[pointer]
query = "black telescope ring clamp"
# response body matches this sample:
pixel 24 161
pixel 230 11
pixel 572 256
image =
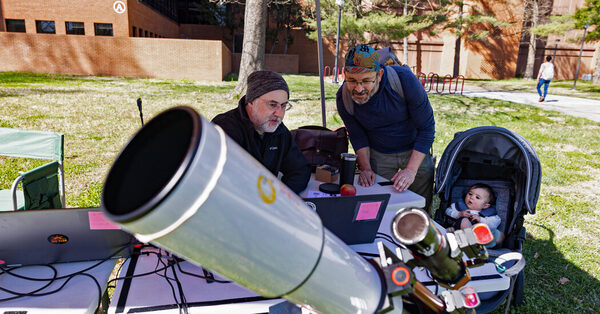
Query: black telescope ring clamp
pixel 413 228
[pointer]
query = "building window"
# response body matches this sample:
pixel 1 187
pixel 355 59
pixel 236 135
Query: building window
pixel 17 26
pixel 134 31
pixel 74 28
pixel 151 34
pixel 45 27
pixel 141 33
pixel 238 40
pixel 103 29
pixel 145 33
pixel 166 7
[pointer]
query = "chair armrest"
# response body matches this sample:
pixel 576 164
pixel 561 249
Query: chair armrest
pixel 13 190
pixel 32 175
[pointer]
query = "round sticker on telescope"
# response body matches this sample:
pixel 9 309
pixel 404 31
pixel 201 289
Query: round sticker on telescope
pixel 266 190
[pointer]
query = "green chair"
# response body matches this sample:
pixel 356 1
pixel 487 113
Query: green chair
pixel 42 187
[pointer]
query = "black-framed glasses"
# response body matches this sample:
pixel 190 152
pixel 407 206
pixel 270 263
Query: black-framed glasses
pixel 366 83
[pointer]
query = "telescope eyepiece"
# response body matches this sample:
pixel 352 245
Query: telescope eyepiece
pixel 410 226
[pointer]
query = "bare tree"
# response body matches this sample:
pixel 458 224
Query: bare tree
pixel 253 47
pixel 535 19
pixel 532 16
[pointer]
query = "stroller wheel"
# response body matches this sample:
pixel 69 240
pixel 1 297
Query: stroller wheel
pixel 519 287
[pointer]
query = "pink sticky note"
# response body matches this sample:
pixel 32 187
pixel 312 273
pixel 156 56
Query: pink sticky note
pixel 99 222
pixel 368 211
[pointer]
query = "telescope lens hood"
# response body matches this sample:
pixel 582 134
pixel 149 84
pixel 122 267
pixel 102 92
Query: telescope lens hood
pixel 151 164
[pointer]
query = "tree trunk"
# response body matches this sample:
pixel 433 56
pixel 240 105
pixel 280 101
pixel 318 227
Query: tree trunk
pixel 253 47
pixel 532 42
pixel 287 38
pixel 596 79
pixel 456 69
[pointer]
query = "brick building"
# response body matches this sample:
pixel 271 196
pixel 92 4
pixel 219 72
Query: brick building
pixel 113 28
pixel 118 18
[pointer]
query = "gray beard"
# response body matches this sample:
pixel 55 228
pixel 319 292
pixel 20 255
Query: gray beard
pixel 265 128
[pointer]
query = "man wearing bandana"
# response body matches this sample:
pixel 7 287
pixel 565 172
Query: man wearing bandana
pixel 256 125
pixel 391 134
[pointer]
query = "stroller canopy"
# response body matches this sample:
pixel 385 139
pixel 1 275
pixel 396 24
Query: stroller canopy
pixel 497 146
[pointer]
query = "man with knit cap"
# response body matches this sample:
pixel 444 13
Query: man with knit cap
pixel 256 125
pixel 391 133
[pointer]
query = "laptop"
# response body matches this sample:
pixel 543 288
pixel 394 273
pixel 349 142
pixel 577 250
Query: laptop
pixel 353 219
pixel 49 236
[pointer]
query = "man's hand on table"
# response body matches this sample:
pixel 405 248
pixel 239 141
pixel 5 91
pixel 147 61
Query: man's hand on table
pixel 403 179
pixel 366 178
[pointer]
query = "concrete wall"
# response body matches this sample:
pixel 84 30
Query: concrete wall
pixel 136 57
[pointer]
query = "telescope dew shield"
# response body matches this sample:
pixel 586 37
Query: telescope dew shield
pixel 414 229
pixel 183 185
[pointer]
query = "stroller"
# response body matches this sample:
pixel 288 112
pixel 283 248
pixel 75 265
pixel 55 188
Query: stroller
pixel 507 162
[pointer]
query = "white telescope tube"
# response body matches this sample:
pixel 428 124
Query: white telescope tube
pixel 181 184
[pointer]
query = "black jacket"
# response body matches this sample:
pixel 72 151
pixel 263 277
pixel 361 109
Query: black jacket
pixel 276 151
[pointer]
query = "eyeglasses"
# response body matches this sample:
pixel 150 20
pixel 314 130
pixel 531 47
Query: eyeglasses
pixel 366 83
pixel 274 106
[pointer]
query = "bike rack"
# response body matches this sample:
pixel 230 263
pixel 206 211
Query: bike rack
pixel 422 77
pixel 428 80
pixel 431 76
pixel 462 86
pixel 447 76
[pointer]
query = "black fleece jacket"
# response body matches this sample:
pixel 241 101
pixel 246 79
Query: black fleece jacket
pixel 276 151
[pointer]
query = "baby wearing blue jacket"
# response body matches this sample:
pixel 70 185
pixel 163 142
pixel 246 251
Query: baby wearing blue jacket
pixel 478 206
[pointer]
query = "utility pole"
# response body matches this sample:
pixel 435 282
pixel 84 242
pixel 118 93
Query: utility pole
pixel 320 53
pixel 580 52
pixel 405 47
pixel 340 4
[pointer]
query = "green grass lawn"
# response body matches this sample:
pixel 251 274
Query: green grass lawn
pixel 99 114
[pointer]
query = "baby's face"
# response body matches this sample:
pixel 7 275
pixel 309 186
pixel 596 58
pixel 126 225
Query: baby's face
pixel 477 199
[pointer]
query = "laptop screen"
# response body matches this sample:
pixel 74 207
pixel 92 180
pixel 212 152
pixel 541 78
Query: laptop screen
pixel 354 219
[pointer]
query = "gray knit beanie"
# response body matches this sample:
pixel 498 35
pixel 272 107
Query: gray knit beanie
pixel 262 82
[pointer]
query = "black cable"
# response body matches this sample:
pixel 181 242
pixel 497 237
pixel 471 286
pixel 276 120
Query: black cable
pixel 138 275
pixel 11 269
pixel 199 276
pixel 54 278
pixel 139 105
pixel 34 294
pixel 389 239
pixel 34 291
pixel 166 267
pixel 179 287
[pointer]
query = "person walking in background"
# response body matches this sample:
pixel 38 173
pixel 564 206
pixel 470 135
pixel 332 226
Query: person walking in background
pixel 544 77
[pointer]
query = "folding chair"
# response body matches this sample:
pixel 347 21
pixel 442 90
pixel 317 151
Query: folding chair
pixel 44 186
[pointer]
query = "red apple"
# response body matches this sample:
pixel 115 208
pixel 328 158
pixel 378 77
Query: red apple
pixel 348 190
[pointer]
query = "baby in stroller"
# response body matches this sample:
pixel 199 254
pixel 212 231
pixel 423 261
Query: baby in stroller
pixel 506 162
pixel 477 206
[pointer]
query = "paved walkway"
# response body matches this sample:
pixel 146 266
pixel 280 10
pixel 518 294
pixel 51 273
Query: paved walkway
pixel 578 107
